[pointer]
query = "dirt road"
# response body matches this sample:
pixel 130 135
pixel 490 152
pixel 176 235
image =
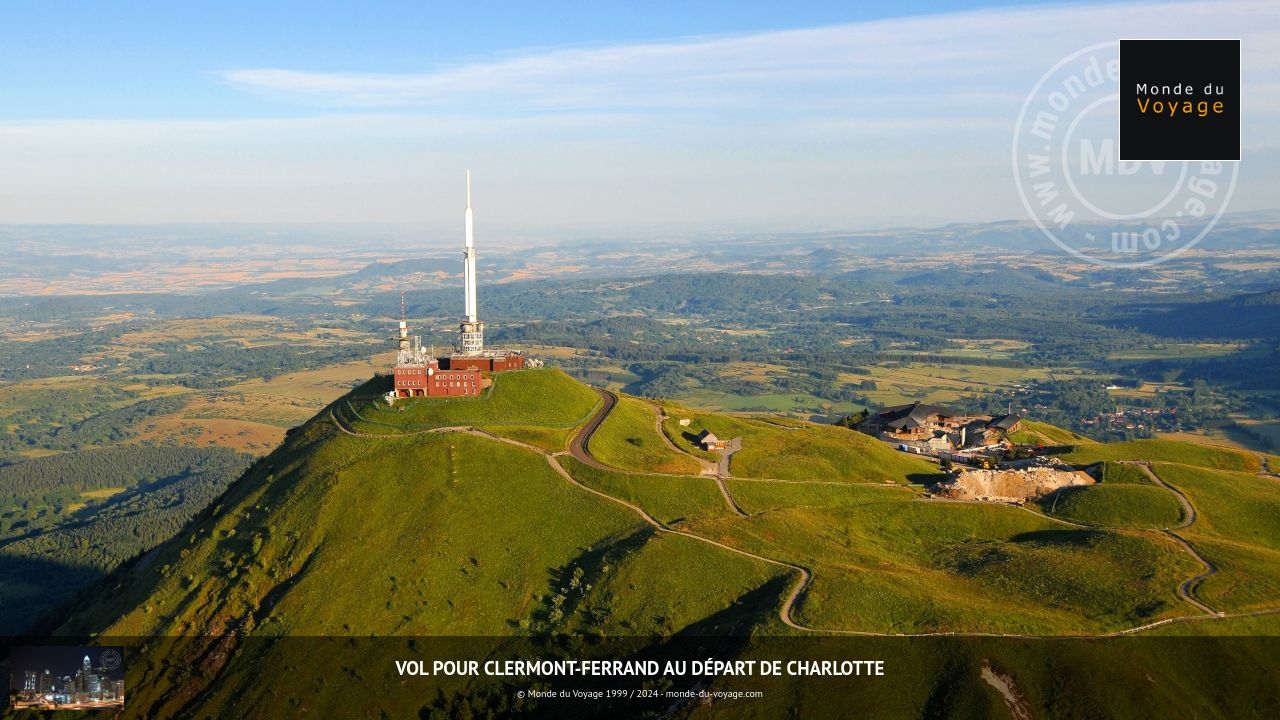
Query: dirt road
pixel 1188 586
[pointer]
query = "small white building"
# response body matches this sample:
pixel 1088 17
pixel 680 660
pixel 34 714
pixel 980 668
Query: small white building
pixel 708 441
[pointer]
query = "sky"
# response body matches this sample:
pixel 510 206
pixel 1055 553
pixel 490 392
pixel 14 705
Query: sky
pixel 574 118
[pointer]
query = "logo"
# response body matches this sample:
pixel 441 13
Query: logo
pixel 1082 196
pixel 109 659
pixel 1180 99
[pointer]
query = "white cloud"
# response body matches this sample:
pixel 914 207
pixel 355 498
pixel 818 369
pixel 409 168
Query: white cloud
pixel 962 55
pixel 896 119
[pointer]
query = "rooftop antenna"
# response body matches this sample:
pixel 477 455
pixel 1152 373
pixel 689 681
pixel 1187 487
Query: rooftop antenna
pixel 404 334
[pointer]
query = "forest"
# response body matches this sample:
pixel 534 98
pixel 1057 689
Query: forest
pixel 68 519
pixel 90 420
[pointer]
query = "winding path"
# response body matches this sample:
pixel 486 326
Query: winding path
pixel 718 471
pixel 579 449
pixel 578 445
pixel 1188 586
pixel 722 472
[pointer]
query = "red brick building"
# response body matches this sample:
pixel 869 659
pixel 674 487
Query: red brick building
pixel 428 380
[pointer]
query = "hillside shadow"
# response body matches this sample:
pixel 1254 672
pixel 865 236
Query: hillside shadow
pixel 925 479
pixel 35 590
pixel 591 564
pixel 89 514
pixel 744 614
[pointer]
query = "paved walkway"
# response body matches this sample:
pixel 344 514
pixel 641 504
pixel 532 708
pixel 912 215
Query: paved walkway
pixel 578 444
pixel 731 447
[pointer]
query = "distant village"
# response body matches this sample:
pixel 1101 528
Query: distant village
pixel 1139 421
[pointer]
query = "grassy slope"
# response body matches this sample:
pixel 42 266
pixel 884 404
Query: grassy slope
pixel 627 439
pixel 424 567
pixel 1166 451
pixel 549 439
pixel 808 452
pixel 339 535
pixel 1033 433
pixel 757 496
pixel 883 560
pixel 1114 473
pixel 1116 505
pixel 1260 625
pixel 668 499
pixel 1238 529
pixel 1236 506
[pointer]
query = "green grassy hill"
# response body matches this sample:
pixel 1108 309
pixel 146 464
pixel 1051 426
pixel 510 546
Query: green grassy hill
pixel 627 440
pixel 368 527
pixel 796 450
pixel 1118 505
pixel 1038 433
pixel 884 558
pixel 1115 473
pixel 540 407
pixel 1169 451
pixel 1238 529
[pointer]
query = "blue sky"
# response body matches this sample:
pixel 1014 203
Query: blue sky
pixel 148 60
pixel 575 117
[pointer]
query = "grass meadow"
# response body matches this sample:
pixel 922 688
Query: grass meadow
pixel 627 439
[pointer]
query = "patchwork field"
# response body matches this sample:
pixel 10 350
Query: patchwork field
pixel 899 383
pixel 244 435
pixel 318 387
pixel 1177 351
